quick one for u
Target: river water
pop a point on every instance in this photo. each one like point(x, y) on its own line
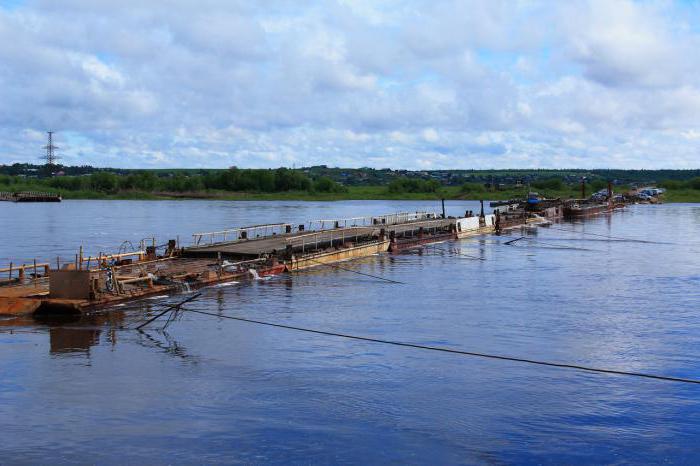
point(210, 390)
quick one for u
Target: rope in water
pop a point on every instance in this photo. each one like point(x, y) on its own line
point(614, 238)
point(452, 350)
point(455, 252)
point(549, 245)
point(335, 266)
point(178, 308)
point(558, 246)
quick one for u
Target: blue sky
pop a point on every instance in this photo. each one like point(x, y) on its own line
point(11, 4)
point(401, 84)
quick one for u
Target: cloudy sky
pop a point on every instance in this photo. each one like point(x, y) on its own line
point(401, 84)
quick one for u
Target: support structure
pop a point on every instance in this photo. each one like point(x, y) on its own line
point(50, 157)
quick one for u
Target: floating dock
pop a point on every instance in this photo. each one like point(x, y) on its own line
point(214, 257)
point(243, 253)
point(30, 196)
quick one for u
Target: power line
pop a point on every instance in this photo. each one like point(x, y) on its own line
point(454, 351)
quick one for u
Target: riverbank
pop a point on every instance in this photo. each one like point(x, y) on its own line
point(352, 193)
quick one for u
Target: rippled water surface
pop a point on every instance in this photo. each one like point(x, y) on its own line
point(211, 390)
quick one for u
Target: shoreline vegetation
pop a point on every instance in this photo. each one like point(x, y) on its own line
point(333, 185)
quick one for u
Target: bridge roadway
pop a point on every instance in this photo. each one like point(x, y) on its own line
point(304, 240)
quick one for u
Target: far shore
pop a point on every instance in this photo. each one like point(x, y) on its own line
point(352, 193)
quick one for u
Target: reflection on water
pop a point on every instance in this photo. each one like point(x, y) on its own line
point(163, 341)
point(76, 334)
point(213, 390)
point(67, 340)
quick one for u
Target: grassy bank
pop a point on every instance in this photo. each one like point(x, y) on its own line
point(352, 193)
point(682, 195)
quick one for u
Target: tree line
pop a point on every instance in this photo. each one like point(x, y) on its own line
point(268, 181)
point(234, 179)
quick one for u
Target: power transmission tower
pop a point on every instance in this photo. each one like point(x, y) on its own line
point(50, 156)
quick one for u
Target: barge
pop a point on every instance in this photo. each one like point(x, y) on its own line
point(246, 253)
point(31, 196)
point(214, 257)
point(577, 210)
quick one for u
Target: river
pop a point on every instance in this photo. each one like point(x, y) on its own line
point(210, 390)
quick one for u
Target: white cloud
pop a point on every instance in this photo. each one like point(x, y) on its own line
point(482, 83)
point(430, 135)
point(622, 43)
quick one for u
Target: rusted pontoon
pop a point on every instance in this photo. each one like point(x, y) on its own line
point(30, 196)
point(215, 257)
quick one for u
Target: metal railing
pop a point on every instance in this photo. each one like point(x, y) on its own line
point(264, 231)
point(235, 234)
point(312, 239)
point(17, 274)
point(369, 220)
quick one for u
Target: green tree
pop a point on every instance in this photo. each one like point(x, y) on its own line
point(104, 181)
point(555, 184)
point(326, 185)
point(413, 185)
point(472, 188)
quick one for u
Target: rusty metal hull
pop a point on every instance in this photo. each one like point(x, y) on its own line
point(27, 300)
point(404, 244)
point(30, 197)
point(120, 278)
point(585, 211)
point(342, 254)
point(476, 232)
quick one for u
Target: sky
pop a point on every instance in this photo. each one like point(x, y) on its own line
point(386, 84)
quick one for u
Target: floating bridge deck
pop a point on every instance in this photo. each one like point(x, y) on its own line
point(302, 241)
point(258, 250)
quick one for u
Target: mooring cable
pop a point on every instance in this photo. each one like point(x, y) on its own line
point(335, 266)
point(452, 350)
point(557, 246)
point(455, 252)
point(548, 245)
point(614, 238)
point(169, 308)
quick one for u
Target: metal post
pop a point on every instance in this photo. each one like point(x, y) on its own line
point(115, 282)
